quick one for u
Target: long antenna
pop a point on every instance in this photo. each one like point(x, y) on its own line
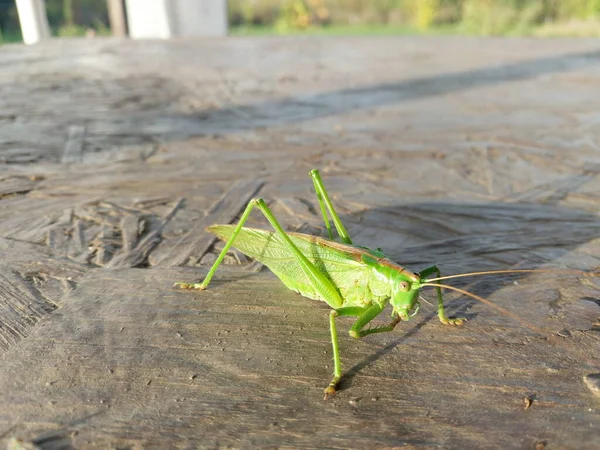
point(489, 272)
point(492, 305)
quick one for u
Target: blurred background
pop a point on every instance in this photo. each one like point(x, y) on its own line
point(348, 17)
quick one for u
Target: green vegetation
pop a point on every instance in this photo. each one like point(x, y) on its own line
point(10, 36)
point(346, 30)
point(67, 18)
point(358, 17)
point(351, 17)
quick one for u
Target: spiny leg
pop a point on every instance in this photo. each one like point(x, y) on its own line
point(441, 314)
point(365, 315)
point(324, 201)
point(337, 363)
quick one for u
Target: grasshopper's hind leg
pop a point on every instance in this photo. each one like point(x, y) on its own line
point(325, 202)
point(321, 284)
point(201, 286)
point(441, 314)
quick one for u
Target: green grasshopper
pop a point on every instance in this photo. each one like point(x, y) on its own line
point(353, 280)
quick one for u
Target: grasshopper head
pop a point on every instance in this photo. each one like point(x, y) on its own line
point(405, 296)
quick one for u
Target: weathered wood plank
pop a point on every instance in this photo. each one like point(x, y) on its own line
point(429, 156)
point(74, 146)
point(77, 248)
point(138, 254)
point(104, 246)
point(190, 248)
point(58, 234)
point(15, 185)
point(20, 308)
point(129, 231)
point(251, 354)
point(31, 286)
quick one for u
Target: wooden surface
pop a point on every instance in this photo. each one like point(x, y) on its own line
point(473, 154)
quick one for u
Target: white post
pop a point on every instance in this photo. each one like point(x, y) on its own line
point(164, 19)
point(149, 19)
point(33, 19)
point(116, 17)
point(201, 17)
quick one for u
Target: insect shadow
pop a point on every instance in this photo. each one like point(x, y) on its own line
point(463, 238)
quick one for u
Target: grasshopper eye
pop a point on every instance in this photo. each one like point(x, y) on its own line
point(404, 286)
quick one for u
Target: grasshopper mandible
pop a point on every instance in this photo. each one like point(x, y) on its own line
point(353, 280)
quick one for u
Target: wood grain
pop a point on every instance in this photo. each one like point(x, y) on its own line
point(473, 154)
point(190, 248)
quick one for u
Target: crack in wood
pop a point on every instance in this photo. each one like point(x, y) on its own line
point(192, 246)
point(21, 307)
point(137, 254)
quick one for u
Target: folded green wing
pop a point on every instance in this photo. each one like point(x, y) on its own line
point(341, 263)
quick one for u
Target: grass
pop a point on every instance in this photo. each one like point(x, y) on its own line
point(345, 30)
point(587, 28)
point(10, 37)
point(572, 28)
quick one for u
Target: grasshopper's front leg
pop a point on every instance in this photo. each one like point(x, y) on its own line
point(441, 314)
point(365, 315)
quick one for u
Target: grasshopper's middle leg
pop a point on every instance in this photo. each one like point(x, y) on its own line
point(324, 201)
point(365, 315)
point(441, 314)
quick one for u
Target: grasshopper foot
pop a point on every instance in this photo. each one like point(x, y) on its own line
point(197, 286)
point(330, 390)
point(457, 321)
